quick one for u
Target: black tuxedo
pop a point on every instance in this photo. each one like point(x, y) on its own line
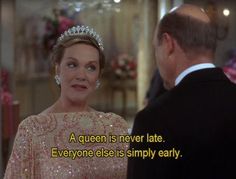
point(198, 117)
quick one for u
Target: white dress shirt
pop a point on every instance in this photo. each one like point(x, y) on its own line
point(192, 69)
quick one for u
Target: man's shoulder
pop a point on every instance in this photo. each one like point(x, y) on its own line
point(159, 105)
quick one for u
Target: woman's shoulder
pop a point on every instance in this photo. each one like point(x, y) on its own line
point(28, 121)
point(36, 118)
point(38, 124)
point(25, 125)
point(117, 120)
point(113, 116)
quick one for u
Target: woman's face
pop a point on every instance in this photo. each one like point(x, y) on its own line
point(78, 71)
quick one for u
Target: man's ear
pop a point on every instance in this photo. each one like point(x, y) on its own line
point(168, 43)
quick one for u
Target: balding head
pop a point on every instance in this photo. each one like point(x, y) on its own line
point(190, 26)
point(185, 36)
point(192, 11)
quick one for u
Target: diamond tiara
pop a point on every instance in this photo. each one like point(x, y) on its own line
point(82, 30)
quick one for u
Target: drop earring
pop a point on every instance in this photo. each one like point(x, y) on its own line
point(98, 84)
point(58, 80)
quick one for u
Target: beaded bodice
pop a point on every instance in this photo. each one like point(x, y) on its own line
point(37, 135)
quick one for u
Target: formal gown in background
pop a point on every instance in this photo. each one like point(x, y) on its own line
point(31, 155)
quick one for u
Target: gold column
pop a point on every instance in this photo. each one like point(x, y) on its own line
point(146, 57)
point(152, 11)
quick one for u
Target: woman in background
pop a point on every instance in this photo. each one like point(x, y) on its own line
point(79, 59)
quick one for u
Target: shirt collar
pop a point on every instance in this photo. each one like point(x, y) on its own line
point(192, 69)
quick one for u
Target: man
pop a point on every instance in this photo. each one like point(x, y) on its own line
point(196, 118)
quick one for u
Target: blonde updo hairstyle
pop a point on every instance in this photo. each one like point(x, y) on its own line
point(59, 48)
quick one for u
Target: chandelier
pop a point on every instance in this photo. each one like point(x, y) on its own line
point(100, 6)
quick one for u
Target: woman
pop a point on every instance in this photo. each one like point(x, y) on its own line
point(53, 144)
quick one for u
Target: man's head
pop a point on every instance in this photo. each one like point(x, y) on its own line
point(184, 37)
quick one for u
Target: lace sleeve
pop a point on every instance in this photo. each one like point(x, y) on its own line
point(20, 164)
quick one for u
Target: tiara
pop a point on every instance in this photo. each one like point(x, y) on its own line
point(82, 30)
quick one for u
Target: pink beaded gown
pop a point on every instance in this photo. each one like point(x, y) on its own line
point(31, 156)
